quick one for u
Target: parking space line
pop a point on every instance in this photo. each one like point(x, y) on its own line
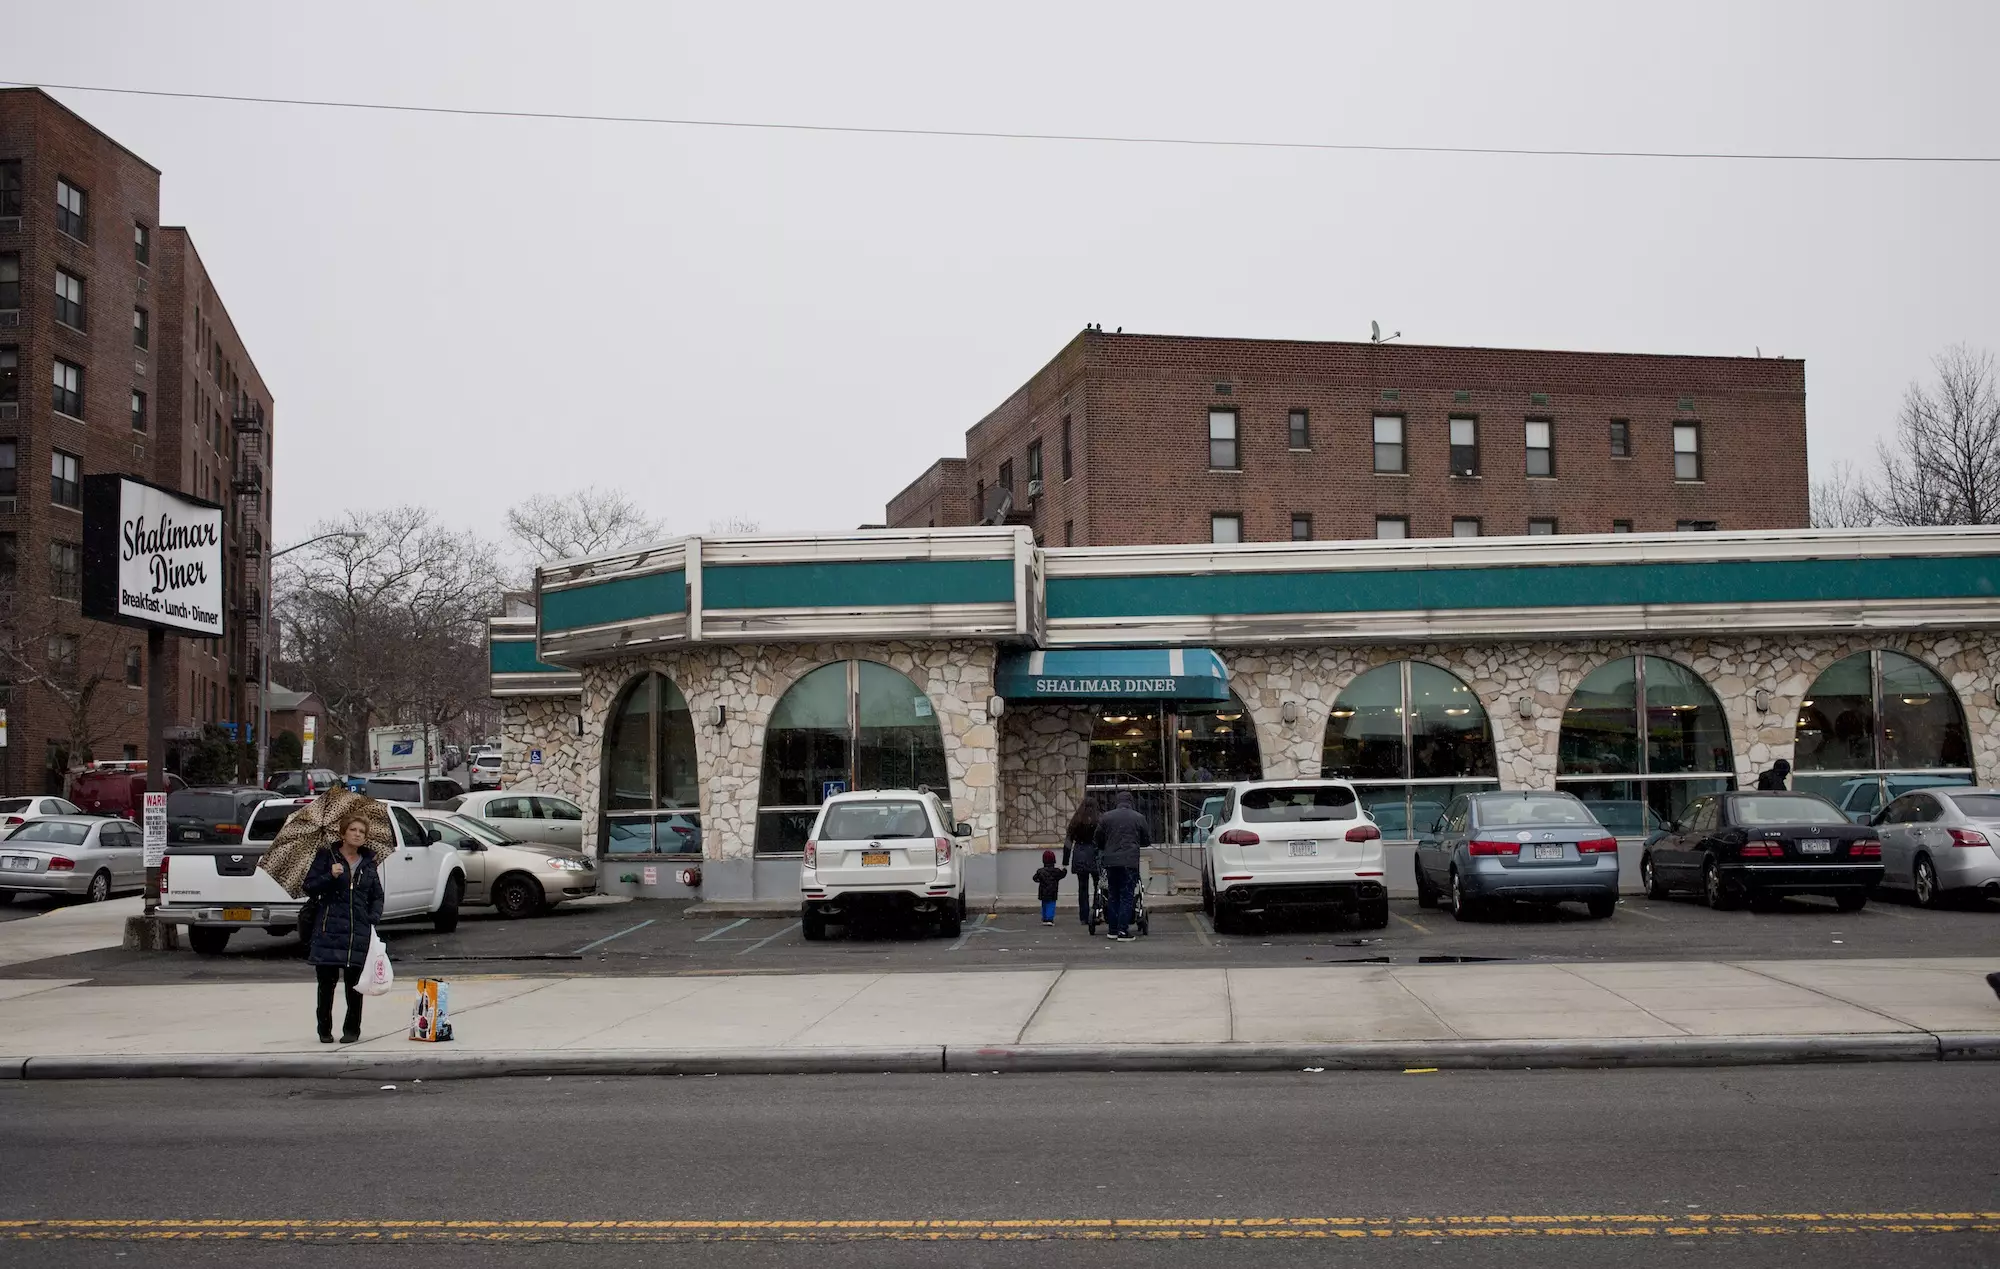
point(719, 932)
point(607, 938)
point(1200, 930)
point(1879, 910)
point(971, 930)
point(1412, 924)
point(767, 938)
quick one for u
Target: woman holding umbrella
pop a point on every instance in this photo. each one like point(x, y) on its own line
point(346, 887)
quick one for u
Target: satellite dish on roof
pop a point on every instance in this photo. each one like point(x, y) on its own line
point(1374, 332)
point(999, 505)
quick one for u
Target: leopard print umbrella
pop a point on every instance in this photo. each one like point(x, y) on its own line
point(315, 827)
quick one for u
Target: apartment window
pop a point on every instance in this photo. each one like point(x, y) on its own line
point(1007, 476)
point(10, 561)
point(10, 375)
point(1694, 526)
point(138, 411)
point(142, 329)
point(1222, 453)
point(1034, 463)
point(1392, 526)
point(1541, 528)
point(1302, 527)
point(131, 667)
point(1388, 442)
point(65, 479)
point(1464, 446)
point(69, 299)
point(62, 657)
point(10, 457)
point(70, 210)
point(1225, 527)
point(10, 280)
point(68, 389)
point(1687, 451)
point(65, 570)
point(979, 500)
point(142, 243)
point(1621, 438)
point(1465, 526)
point(1069, 466)
point(10, 187)
point(1541, 448)
point(1298, 430)
point(1621, 526)
point(1069, 533)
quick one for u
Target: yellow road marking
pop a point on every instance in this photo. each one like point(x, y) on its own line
point(1677, 1225)
point(1412, 924)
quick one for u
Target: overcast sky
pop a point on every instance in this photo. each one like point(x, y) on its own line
point(788, 327)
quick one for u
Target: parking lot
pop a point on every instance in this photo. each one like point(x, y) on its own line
point(618, 937)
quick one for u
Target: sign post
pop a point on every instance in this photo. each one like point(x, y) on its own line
point(152, 558)
point(306, 750)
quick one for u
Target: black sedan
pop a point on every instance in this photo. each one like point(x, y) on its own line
point(1732, 847)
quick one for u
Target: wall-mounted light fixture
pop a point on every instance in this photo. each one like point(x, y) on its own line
point(718, 716)
point(996, 705)
point(1525, 706)
point(1289, 711)
point(1763, 698)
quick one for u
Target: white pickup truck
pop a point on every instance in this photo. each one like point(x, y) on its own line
point(218, 890)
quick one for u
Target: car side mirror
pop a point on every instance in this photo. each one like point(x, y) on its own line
point(961, 829)
point(1205, 823)
point(434, 833)
point(1673, 826)
point(471, 848)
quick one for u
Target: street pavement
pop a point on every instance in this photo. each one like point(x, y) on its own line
point(1837, 1167)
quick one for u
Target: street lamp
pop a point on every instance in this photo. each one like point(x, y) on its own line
point(264, 652)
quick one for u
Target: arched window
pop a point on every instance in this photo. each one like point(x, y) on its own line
point(1411, 736)
point(652, 797)
point(846, 725)
point(1876, 725)
point(1171, 756)
point(1641, 738)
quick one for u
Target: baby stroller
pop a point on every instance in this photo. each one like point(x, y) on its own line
point(1141, 923)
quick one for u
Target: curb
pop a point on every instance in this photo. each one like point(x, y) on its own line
point(729, 909)
point(1491, 1055)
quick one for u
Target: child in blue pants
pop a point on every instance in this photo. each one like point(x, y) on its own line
point(1046, 879)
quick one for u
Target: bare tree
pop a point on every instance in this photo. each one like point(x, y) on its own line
point(548, 527)
point(739, 525)
point(75, 669)
point(1944, 467)
point(1842, 501)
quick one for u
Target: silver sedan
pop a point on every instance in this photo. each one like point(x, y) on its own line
point(1940, 842)
point(83, 856)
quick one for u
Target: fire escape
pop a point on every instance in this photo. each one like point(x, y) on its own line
point(247, 486)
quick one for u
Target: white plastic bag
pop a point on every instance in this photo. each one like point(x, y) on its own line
point(377, 976)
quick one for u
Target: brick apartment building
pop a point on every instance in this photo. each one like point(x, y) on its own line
point(1128, 439)
point(116, 355)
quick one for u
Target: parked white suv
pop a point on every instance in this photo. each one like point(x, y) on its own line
point(1292, 844)
point(887, 851)
point(218, 890)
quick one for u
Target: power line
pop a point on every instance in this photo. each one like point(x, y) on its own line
point(1236, 143)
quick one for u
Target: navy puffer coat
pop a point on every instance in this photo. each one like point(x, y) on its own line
point(347, 908)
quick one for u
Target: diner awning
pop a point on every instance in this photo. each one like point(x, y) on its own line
point(1183, 674)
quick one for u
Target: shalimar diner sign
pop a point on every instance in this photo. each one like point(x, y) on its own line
point(151, 557)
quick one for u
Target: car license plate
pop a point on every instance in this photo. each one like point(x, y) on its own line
point(1305, 848)
point(190, 834)
point(236, 914)
point(874, 859)
point(1815, 846)
point(17, 863)
point(1548, 852)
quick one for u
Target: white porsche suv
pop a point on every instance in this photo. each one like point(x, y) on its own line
point(887, 851)
point(1292, 844)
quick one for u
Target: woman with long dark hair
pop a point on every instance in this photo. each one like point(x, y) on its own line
point(1080, 855)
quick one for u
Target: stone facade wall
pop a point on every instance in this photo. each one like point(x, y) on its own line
point(547, 723)
point(1044, 756)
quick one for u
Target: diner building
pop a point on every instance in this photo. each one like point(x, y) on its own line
point(701, 697)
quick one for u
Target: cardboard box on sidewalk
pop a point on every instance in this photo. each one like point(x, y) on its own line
point(430, 1017)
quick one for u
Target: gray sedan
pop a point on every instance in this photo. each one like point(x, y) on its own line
point(1543, 847)
point(1940, 842)
point(79, 855)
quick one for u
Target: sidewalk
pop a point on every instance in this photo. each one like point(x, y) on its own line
point(1509, 1015)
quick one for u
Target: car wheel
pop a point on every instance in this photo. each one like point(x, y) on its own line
point(812, 926)
point(445, 919)
point(516, 897)
point(1925, 879)
point(1463, 906)
point(1851, 902)
point(1207, 897)
point(1222, 918)
point(1714, 891)
point(1427, 895)
point(1373, 914)
point(952, 923)
point(100, 888)
point(206, 940)
point(1655, 888)
point(1602, 908)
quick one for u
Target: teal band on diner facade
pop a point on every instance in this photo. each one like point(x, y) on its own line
point(1187, 674)
point(857, 584)
point(614, 600)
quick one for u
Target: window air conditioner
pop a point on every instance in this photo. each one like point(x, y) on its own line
point(1034, 489)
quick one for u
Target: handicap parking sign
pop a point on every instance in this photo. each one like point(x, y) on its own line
point(534, 757)
point(828, 788)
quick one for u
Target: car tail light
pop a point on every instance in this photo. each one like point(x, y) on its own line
point(1485, 847)
point(944, 850)
point(1598, 846)
point(16, 819)
point(228, 828)
point(1871, 848)
point(812, 854)
point(1761, 850)
point(1239, 837)
point(1959, 837)
point(58, 863)
point(163, 874)
point(1364, 833)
